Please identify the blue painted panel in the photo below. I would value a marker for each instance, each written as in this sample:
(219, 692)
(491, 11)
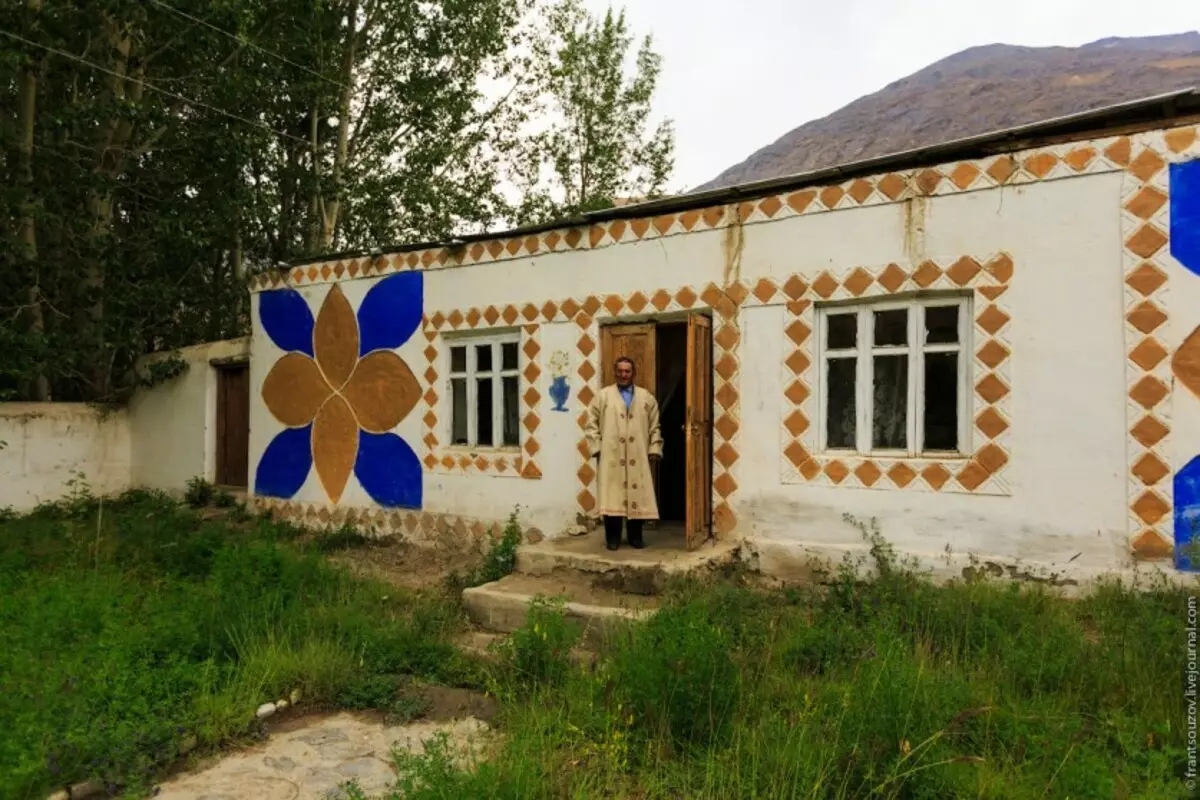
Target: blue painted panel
(1185, 214)
(1187, 516)
(285, 464)
(388, 470)
(287, 319)
(391, 312)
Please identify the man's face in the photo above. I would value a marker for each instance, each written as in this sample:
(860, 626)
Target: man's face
(624, 373)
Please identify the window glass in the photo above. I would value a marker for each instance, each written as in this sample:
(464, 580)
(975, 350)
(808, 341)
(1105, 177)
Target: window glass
(889, 429)
(891, 327)
(483, 408)
(509, 355)
(458, 404)
(841, 411)
(842, 331)
(941, 401)
(512, 411)
(941, 325)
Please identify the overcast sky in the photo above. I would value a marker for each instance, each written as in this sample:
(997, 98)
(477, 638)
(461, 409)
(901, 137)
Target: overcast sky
(738, 75)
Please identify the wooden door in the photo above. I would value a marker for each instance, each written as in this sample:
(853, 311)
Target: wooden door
(698, 508)
(630, 341)
(233, 426)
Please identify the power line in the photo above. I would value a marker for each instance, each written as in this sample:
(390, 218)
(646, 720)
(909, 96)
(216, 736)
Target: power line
(246, 42)
(152, 87)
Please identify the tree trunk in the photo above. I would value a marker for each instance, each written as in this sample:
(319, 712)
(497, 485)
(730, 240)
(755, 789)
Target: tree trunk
(238, 268)
(329, 219)
(27, 225)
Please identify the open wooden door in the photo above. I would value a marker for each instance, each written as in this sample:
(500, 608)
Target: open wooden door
(630, 341)
(698, 509)
(233, 426)
(639, 342)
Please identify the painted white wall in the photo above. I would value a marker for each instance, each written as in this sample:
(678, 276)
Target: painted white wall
(47, 445)
(1067, 510)
(173, 424)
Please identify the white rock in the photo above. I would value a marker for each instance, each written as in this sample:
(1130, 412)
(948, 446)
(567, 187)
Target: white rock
(280, 705)
(265, 710)
(576, 530)
(61, 794)
(86, 789)
(295, 696)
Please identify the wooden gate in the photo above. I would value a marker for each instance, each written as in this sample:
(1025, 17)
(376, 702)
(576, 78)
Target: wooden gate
(233, 426)
(698, 508)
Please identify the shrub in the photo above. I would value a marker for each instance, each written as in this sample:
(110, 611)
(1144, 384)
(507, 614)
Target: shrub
(199, 492)
(539, 652)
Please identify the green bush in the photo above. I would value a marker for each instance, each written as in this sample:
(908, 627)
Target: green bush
(199, 492)
(539, 652)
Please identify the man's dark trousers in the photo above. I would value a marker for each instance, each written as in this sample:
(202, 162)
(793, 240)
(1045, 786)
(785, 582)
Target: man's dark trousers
(612, 532)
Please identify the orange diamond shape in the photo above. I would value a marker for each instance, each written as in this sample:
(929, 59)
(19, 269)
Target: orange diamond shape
(991, 458)
(892, 186)
(964, 175)
(797, 392)
(858, 282)
(1149, 431)
(992, 319)
(1002, 169)
(1079, 158)
(799, 201)
(1148, 392)
(1147, 164)
(860, 190)
(661, 299)
(686, 297)
(825, 285)
(972, 476)
(902, 474)
(1150, 508)
(837, 471)
(868, 473)
(964, 270)
(726, 367)
(796, 423)
(586, 501)
(991, 423)
(798, 362)
(798, 331)
(1149, 469)
(1149, 354)
(1150, 546)
(727, 426)
(892, 278)
(586, 345)
(727, 337)
(549, 310)
(1146, 317)
(935, 475)
(637, 302)
(727, 396)
(1147, 241)
(832, 195)
(1146, 203)
(726, 455)
(991, 388)
(1146, 279)
(771, 205)
(928, 180)
(765, 290)
(725, 485)
(1180, 139)
(927, 274)
(586, 370)
(795, 287)
(810, 469)
(1041, 164)
(614, 304)
(796, 453)
(992, 354)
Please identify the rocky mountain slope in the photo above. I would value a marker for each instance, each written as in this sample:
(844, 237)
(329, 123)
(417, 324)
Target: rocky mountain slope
(979, 90)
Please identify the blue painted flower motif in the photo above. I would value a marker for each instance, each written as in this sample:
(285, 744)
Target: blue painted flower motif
(340, 390)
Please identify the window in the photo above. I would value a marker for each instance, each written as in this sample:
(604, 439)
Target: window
(893, 377)
(484, 388)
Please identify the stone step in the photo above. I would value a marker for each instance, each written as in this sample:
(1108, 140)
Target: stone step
(502, 606)
(641, 572)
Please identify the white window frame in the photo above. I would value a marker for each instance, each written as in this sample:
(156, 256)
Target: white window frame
(472, 374)
(916, 349)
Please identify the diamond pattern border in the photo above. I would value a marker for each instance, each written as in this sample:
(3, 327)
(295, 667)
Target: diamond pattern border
(498, 463)
(1052, 162)
(984, 471)
(1141, 157)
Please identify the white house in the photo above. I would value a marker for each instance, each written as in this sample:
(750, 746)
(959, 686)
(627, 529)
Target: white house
(991, 347)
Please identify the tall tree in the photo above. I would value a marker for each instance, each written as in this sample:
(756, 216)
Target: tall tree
(599, 147)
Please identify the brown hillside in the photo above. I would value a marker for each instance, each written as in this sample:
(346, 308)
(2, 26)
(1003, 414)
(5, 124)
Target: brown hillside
(979, 90)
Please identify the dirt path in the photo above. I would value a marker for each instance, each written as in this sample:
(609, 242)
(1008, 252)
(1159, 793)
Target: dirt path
(313, 759)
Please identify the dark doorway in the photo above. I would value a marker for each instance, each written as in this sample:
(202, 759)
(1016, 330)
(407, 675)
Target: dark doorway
(233, 426)
(672, 404)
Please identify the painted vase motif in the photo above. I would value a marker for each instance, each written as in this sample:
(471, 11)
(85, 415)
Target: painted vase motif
(560, 390)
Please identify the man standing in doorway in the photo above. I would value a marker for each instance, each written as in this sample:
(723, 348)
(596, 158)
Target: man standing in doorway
(623, 434)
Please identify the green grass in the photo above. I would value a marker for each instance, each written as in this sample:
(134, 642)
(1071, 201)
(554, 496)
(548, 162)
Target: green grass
(135, 627)
(132, 628)
(891, 688)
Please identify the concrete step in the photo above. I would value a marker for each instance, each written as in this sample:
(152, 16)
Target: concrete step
(502, 606)
(640, 572)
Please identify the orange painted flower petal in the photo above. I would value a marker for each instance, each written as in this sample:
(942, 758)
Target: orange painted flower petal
(335, 338)
(334, 446)
(295, 389)
(382, 391)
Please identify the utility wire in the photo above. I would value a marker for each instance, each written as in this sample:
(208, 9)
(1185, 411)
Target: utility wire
(152, 87)
(246, 42)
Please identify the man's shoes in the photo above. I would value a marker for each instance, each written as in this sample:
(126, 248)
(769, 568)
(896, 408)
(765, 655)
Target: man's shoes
(612, 546)
(636, 542)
